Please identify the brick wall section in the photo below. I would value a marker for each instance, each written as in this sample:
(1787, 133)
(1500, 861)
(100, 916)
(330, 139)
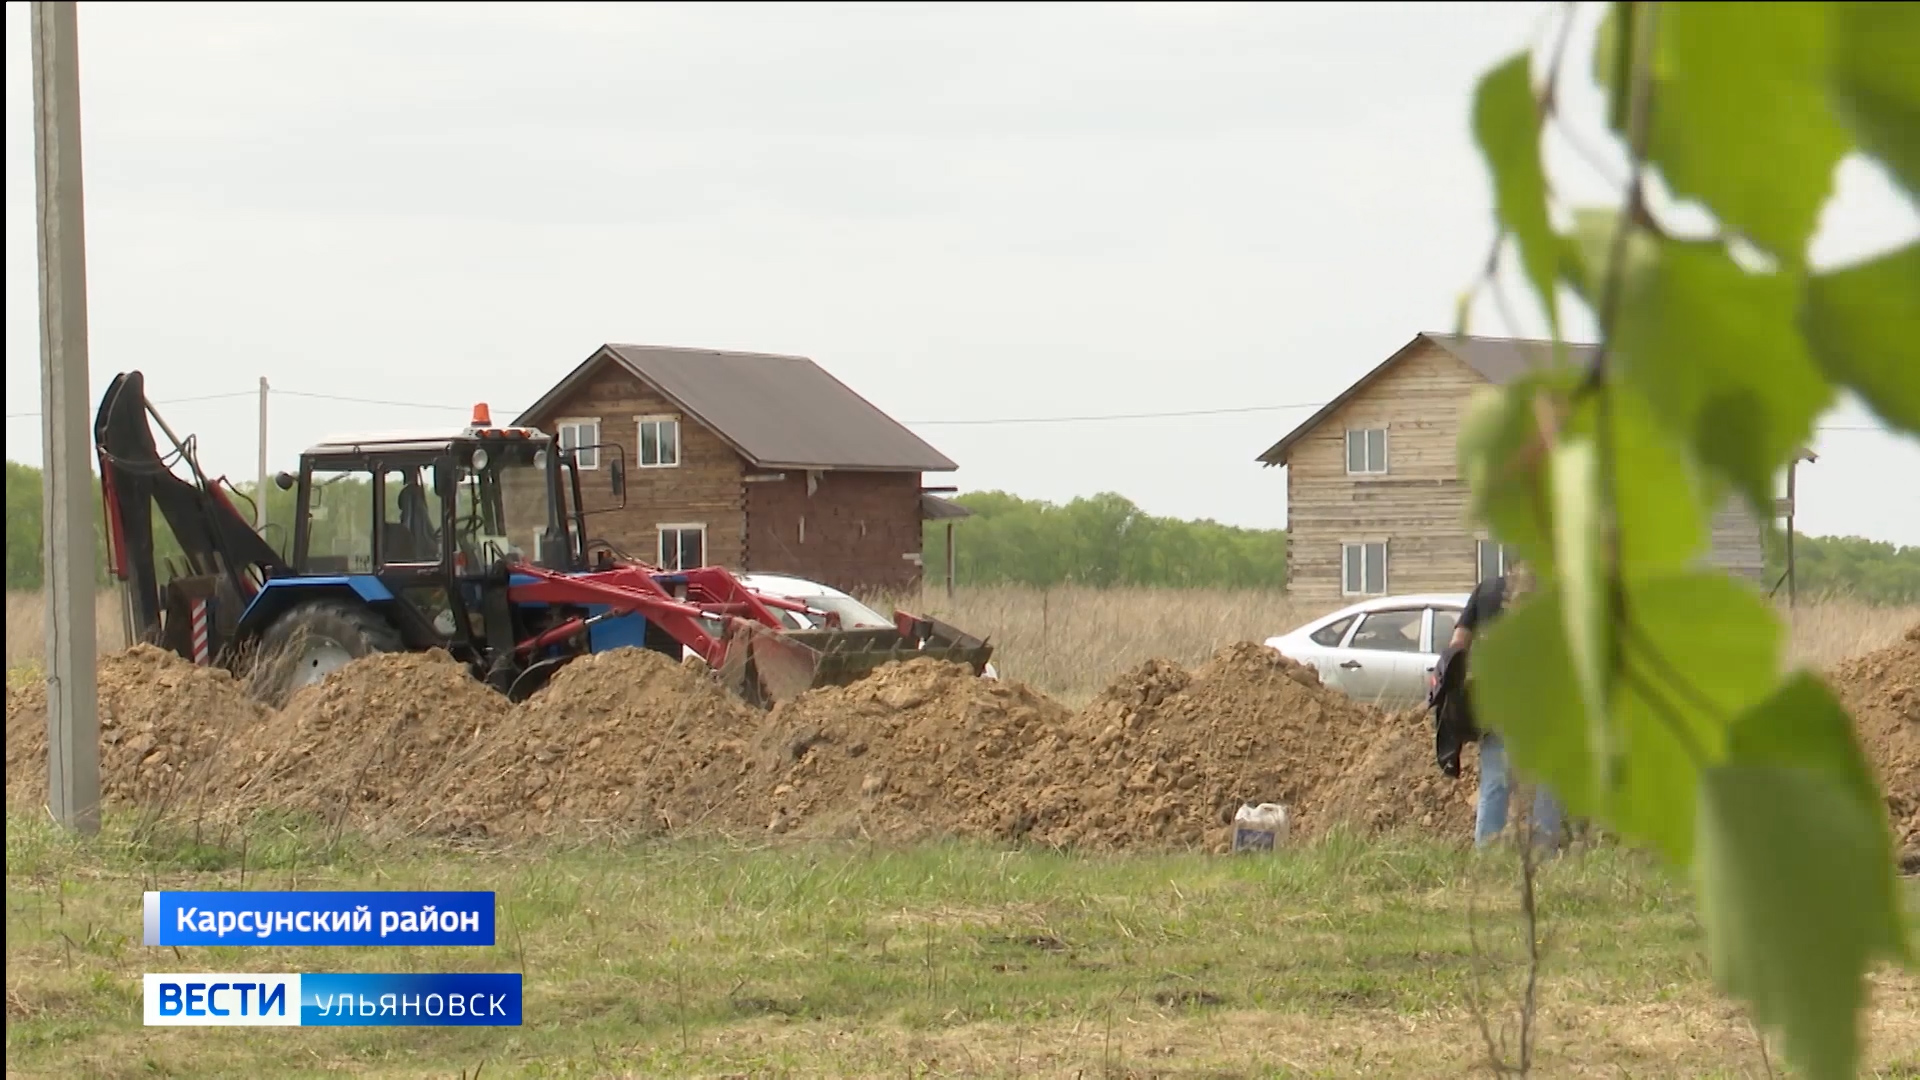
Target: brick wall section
(704, 488)
(858, 527)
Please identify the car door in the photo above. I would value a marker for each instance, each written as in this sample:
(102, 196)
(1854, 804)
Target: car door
(1319, 648)
(1383, 658)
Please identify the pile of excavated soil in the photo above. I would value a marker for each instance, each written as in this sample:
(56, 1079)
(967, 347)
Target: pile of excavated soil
(1396, 784)
(1882, 691)
(632, 740)
(628, 738)
(1163, 757)
(166, 728)
(916, 749)
(384, 738)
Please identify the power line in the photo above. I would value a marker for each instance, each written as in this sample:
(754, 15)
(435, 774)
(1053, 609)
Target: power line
(1113, 416)
(993, 421)
(369, 401)
(169, 401)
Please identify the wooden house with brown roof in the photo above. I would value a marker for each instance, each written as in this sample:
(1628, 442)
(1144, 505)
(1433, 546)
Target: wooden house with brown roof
(752, 461)
(1375, 501)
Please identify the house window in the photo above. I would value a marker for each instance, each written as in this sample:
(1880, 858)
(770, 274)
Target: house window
(583, 437)
(683, 547)
(1363, 569)
(1493, 559)
(1366, 451)
(659, 442)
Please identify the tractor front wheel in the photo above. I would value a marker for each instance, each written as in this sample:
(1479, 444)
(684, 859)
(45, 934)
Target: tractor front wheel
(316, 639)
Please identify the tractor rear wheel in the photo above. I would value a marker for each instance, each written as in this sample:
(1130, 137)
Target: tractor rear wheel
(316, 639)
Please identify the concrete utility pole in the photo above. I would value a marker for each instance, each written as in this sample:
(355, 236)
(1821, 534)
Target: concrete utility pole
(73, 720)
(260, 492)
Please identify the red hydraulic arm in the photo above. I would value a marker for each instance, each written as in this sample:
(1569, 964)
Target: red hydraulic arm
(711, 592)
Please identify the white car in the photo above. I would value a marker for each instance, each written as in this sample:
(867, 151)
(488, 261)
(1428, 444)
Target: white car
(825, 599)
(1380, 651)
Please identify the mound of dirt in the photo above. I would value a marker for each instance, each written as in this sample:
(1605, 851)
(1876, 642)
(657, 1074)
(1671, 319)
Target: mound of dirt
(1882, 691)
(1395, 784)
(627, 737)
(916, 749)
(1164, 757)
(166, 727)
(384, 737)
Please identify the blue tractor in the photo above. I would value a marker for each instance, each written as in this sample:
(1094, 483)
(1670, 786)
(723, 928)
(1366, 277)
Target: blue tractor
(473, 541)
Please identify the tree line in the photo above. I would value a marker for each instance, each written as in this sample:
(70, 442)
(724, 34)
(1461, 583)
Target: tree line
(337, 533)
(1100, 541)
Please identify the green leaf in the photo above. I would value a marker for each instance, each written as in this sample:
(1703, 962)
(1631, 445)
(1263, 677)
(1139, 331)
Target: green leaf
(1579, 530)
(1524, 686)
(1610, 60)
(1876, 84)
(1657, 493)
(1796, 889)
(1587, 250)
(1862, 323)
(1707, 648)
(1506, 123)
(1503, 457)
(1741, 117)
(1716, 350)
(1803, 726)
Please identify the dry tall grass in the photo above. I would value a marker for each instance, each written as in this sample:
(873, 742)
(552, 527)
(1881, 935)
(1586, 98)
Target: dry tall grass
(1071, 641)
(27, 627)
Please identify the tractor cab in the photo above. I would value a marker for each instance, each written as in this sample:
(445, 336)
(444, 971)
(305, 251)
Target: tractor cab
(458, 504)
(425, 527)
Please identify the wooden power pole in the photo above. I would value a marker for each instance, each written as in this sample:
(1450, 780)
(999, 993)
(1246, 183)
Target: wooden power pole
(73, 721)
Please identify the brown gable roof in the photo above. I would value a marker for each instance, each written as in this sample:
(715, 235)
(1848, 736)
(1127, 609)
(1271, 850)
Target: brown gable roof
(779, 412)
(1498, 360)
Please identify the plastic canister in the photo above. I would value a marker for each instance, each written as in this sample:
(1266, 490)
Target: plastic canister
(1259, 828)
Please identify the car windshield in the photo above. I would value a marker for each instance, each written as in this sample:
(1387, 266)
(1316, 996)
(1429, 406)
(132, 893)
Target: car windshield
(853, 614)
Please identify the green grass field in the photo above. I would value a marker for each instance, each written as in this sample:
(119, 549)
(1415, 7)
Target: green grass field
(715, 958)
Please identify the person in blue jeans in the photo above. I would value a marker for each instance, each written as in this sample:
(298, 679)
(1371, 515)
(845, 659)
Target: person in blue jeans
(1489, 599)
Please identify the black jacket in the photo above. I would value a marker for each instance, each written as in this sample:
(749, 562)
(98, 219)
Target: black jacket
(1453, 726)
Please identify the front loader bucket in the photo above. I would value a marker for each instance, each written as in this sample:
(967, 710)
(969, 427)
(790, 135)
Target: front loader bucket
(768, 666)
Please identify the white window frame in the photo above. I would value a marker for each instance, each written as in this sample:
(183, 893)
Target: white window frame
(1348, 550)
(576, 423)
(677, 527)
(665, 421)
(1480, 558)
(1369, 467)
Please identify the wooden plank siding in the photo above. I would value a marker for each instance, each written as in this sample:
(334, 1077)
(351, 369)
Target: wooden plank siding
(1736, 545)
(1418, 506)
(704, 488)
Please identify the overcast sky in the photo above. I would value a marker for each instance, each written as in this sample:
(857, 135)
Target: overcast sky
(965, 213)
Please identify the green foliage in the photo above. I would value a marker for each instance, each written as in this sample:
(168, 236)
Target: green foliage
(24, 540)
(1715, 67)
(1652, 695)
(25, 568)
(1876, 84)
(1862, 322)
(1507, 124)
(1101, 541)
(1793, 842)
